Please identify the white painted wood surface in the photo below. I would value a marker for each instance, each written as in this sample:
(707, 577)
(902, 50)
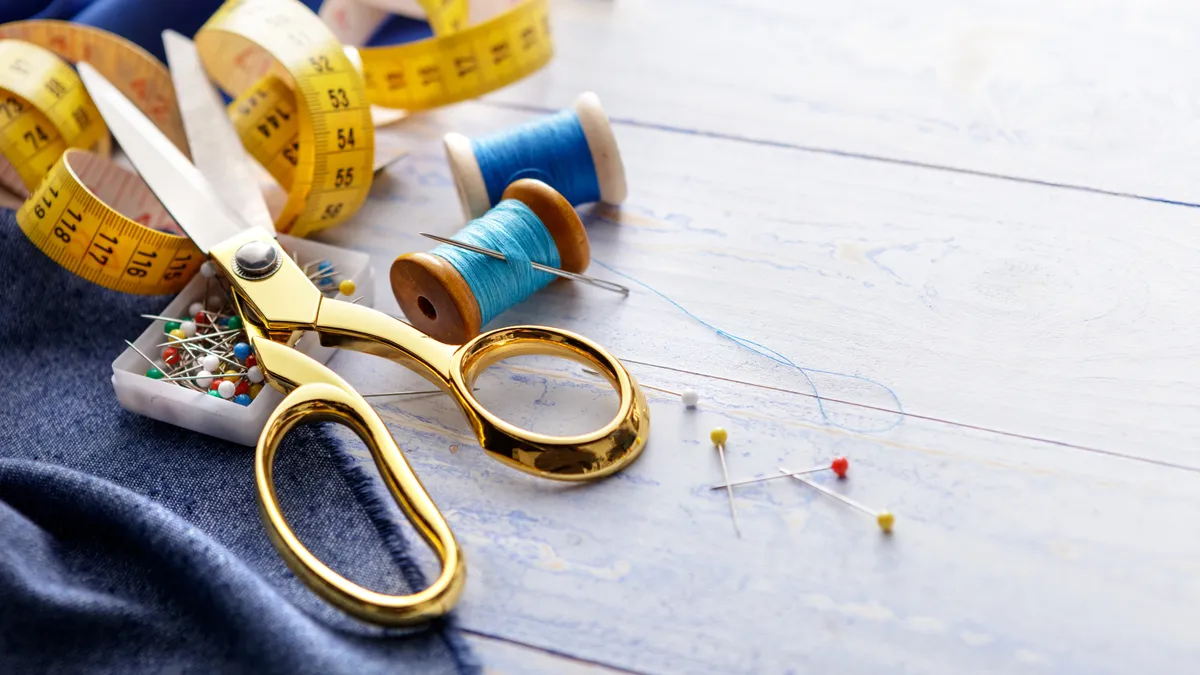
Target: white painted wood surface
(1041, 339)
(1093, 93)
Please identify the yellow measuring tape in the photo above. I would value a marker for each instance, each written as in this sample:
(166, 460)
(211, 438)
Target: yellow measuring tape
(302, 111)
(87, 214)
(459, 62)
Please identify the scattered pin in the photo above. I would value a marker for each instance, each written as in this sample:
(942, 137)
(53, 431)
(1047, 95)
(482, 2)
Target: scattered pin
(152, 362)
(598, 283)
(885, 519)
(205, 376)
(198, 338)
(421, 392)
(689, 397)
(219, 363)
(418, 392)
(719, 436)
(839, 465)
(382, 161)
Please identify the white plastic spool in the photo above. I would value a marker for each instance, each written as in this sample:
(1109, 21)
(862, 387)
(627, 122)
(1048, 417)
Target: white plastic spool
(168, 402)
(606, 157)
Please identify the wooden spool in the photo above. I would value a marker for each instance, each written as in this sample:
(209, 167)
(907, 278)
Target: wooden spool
(436, 298)
(606, 157)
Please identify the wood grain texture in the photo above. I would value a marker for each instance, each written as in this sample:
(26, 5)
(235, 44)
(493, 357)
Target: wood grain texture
(1040, 341)
(501, 657)
(1088, 93)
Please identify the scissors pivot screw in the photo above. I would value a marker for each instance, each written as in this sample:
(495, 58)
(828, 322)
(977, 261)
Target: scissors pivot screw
(256, 260)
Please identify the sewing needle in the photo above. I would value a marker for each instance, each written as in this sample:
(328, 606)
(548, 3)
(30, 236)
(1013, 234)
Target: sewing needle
(598, 283)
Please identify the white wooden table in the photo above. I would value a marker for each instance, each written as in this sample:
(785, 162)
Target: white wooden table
(987, 210)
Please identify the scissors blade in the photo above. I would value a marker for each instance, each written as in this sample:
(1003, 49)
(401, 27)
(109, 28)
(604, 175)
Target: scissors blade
(216, 149)
(181, 188)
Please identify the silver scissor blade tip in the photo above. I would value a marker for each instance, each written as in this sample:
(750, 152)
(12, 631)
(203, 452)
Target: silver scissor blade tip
(180, 187)
(217, 150)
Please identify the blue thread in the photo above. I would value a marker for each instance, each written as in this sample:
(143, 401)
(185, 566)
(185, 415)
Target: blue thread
(763, 350)
(552, 149)
(514, 230)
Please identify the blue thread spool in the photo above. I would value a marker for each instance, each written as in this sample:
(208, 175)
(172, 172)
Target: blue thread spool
(574, 151)
(450, 293)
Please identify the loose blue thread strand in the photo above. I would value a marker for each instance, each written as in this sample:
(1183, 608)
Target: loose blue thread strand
(552, 149)
(763, 350)
(514, 230)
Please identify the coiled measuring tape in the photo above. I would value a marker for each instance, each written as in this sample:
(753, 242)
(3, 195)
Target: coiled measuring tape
(100, 221)
(302, 111)
(87, 214)
(459, 62)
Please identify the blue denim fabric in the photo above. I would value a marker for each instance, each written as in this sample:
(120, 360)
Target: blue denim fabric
(129, 545)
(143, 21)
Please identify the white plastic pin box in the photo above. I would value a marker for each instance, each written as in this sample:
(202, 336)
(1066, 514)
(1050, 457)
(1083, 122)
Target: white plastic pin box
(168, 402)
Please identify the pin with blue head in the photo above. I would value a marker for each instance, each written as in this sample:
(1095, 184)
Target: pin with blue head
(449, 293)
(573, 151)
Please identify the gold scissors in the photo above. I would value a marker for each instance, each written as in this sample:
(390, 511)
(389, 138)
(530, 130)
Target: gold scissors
(277, 302)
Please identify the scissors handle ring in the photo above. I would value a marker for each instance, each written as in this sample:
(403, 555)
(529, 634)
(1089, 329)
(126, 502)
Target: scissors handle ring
(317, 402)
(570, 458)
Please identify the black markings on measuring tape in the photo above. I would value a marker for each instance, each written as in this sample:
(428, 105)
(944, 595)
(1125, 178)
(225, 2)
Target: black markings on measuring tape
(529, 38)
(105, 251)
(11, 107)
(292, 153)
(465, 65)
(320, 63)
(430, 74)
(251, 102)
(500, 52)
(331, 211)
(338, 98)
(82, 119)
(140, 268)
(396, 80)
(176, 268)
(19, 65)
(35, 137)
(55, 87)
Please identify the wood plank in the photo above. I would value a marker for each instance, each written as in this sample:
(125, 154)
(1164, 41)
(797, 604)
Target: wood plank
(502, 657)
(1008, 556)
(1008, 306)
(1096, 94)
(1017, 307)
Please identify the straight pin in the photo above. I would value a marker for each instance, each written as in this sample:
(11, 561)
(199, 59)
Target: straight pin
(689, 396)
(220, 356)
(883, 518)
(719, 436)
(839, 465)
(208, 336)
(598, 283)
(210, 376)
(403, 393)
(149, 360)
